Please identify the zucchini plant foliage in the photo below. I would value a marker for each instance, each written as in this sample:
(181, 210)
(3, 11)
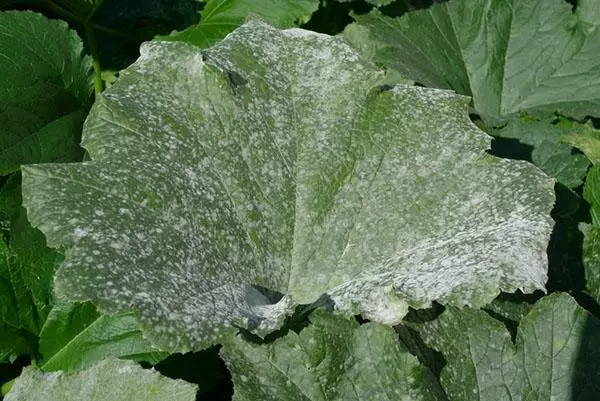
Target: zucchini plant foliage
(509, 56)
(110, 379)
(277, 160)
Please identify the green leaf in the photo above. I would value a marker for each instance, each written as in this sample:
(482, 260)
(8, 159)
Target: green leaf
(26, 271)
(76, 336)
(44, 90)
(370, 49)
(220, 17)
(556, 355)
(24, 299)
(508, 55)
(16, 306)
(111, 379)
(276, 160)
(588, 140)
(591, 193)
(377, 3)
(333, 359)
(508, 309)
(15, 342)
(555, 158)
(120, 26)
(591, 259)
(81, 8)
(10, 198)
(591, 243)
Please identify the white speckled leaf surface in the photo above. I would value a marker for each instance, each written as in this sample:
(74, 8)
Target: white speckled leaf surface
(276, 160)
(112, 379)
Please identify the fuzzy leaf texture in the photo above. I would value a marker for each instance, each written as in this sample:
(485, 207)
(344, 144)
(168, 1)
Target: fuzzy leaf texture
(509, 55)
(111, 379)
(276, 161)
(332, 359)
(555, 355)
(45, 89)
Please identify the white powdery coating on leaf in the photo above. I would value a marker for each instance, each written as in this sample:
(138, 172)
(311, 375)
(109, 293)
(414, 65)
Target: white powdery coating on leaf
(111, 379)
(277, 161)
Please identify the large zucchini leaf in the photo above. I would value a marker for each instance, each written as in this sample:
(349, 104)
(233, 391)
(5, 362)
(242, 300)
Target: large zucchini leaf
(228, 185)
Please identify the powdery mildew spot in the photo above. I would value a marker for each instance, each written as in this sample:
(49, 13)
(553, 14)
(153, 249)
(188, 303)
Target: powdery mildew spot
(103, 381)
(277, 160)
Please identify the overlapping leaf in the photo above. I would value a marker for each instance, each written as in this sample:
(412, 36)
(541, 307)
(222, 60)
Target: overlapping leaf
(111, 379)
(76, 336)
(220, 17)
(549, 153)
(555, 357)
(591, 244)
(276, 160)
(26, 270)
(508, 55)
(333, 359)
(44, 90)
(588, 140)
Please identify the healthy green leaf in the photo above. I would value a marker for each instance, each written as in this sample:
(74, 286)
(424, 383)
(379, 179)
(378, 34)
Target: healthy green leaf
(81, 8)
(591, 259)
(556, 355)
(588, 140)
(377, 3)
(220, 17)
(24, 298)
(276, 160)
(10, 199)
(591, 193)
(15, 342)
(111, 379)
(370, 49)
(509, 310)
(76, 336)
(333, 359)
(508, 55)
(120, 26)
(591, 243)
(16, 306)
(549, 153)
(44, 90)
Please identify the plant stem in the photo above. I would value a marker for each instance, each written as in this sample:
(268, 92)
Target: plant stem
(61, 12)
(88, 29)
(6, 387)
(91, 42)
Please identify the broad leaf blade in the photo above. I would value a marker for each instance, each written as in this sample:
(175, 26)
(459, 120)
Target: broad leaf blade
(45, 89)
(25, 283)
(213, 175)
(220, 17)
(76, 336)
(556, 354)
(111, 379)
(549, 153)
(509, 55)
(333, 359)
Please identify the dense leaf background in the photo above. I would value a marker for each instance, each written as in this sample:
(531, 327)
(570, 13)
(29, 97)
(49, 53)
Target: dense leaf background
(532, 71)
